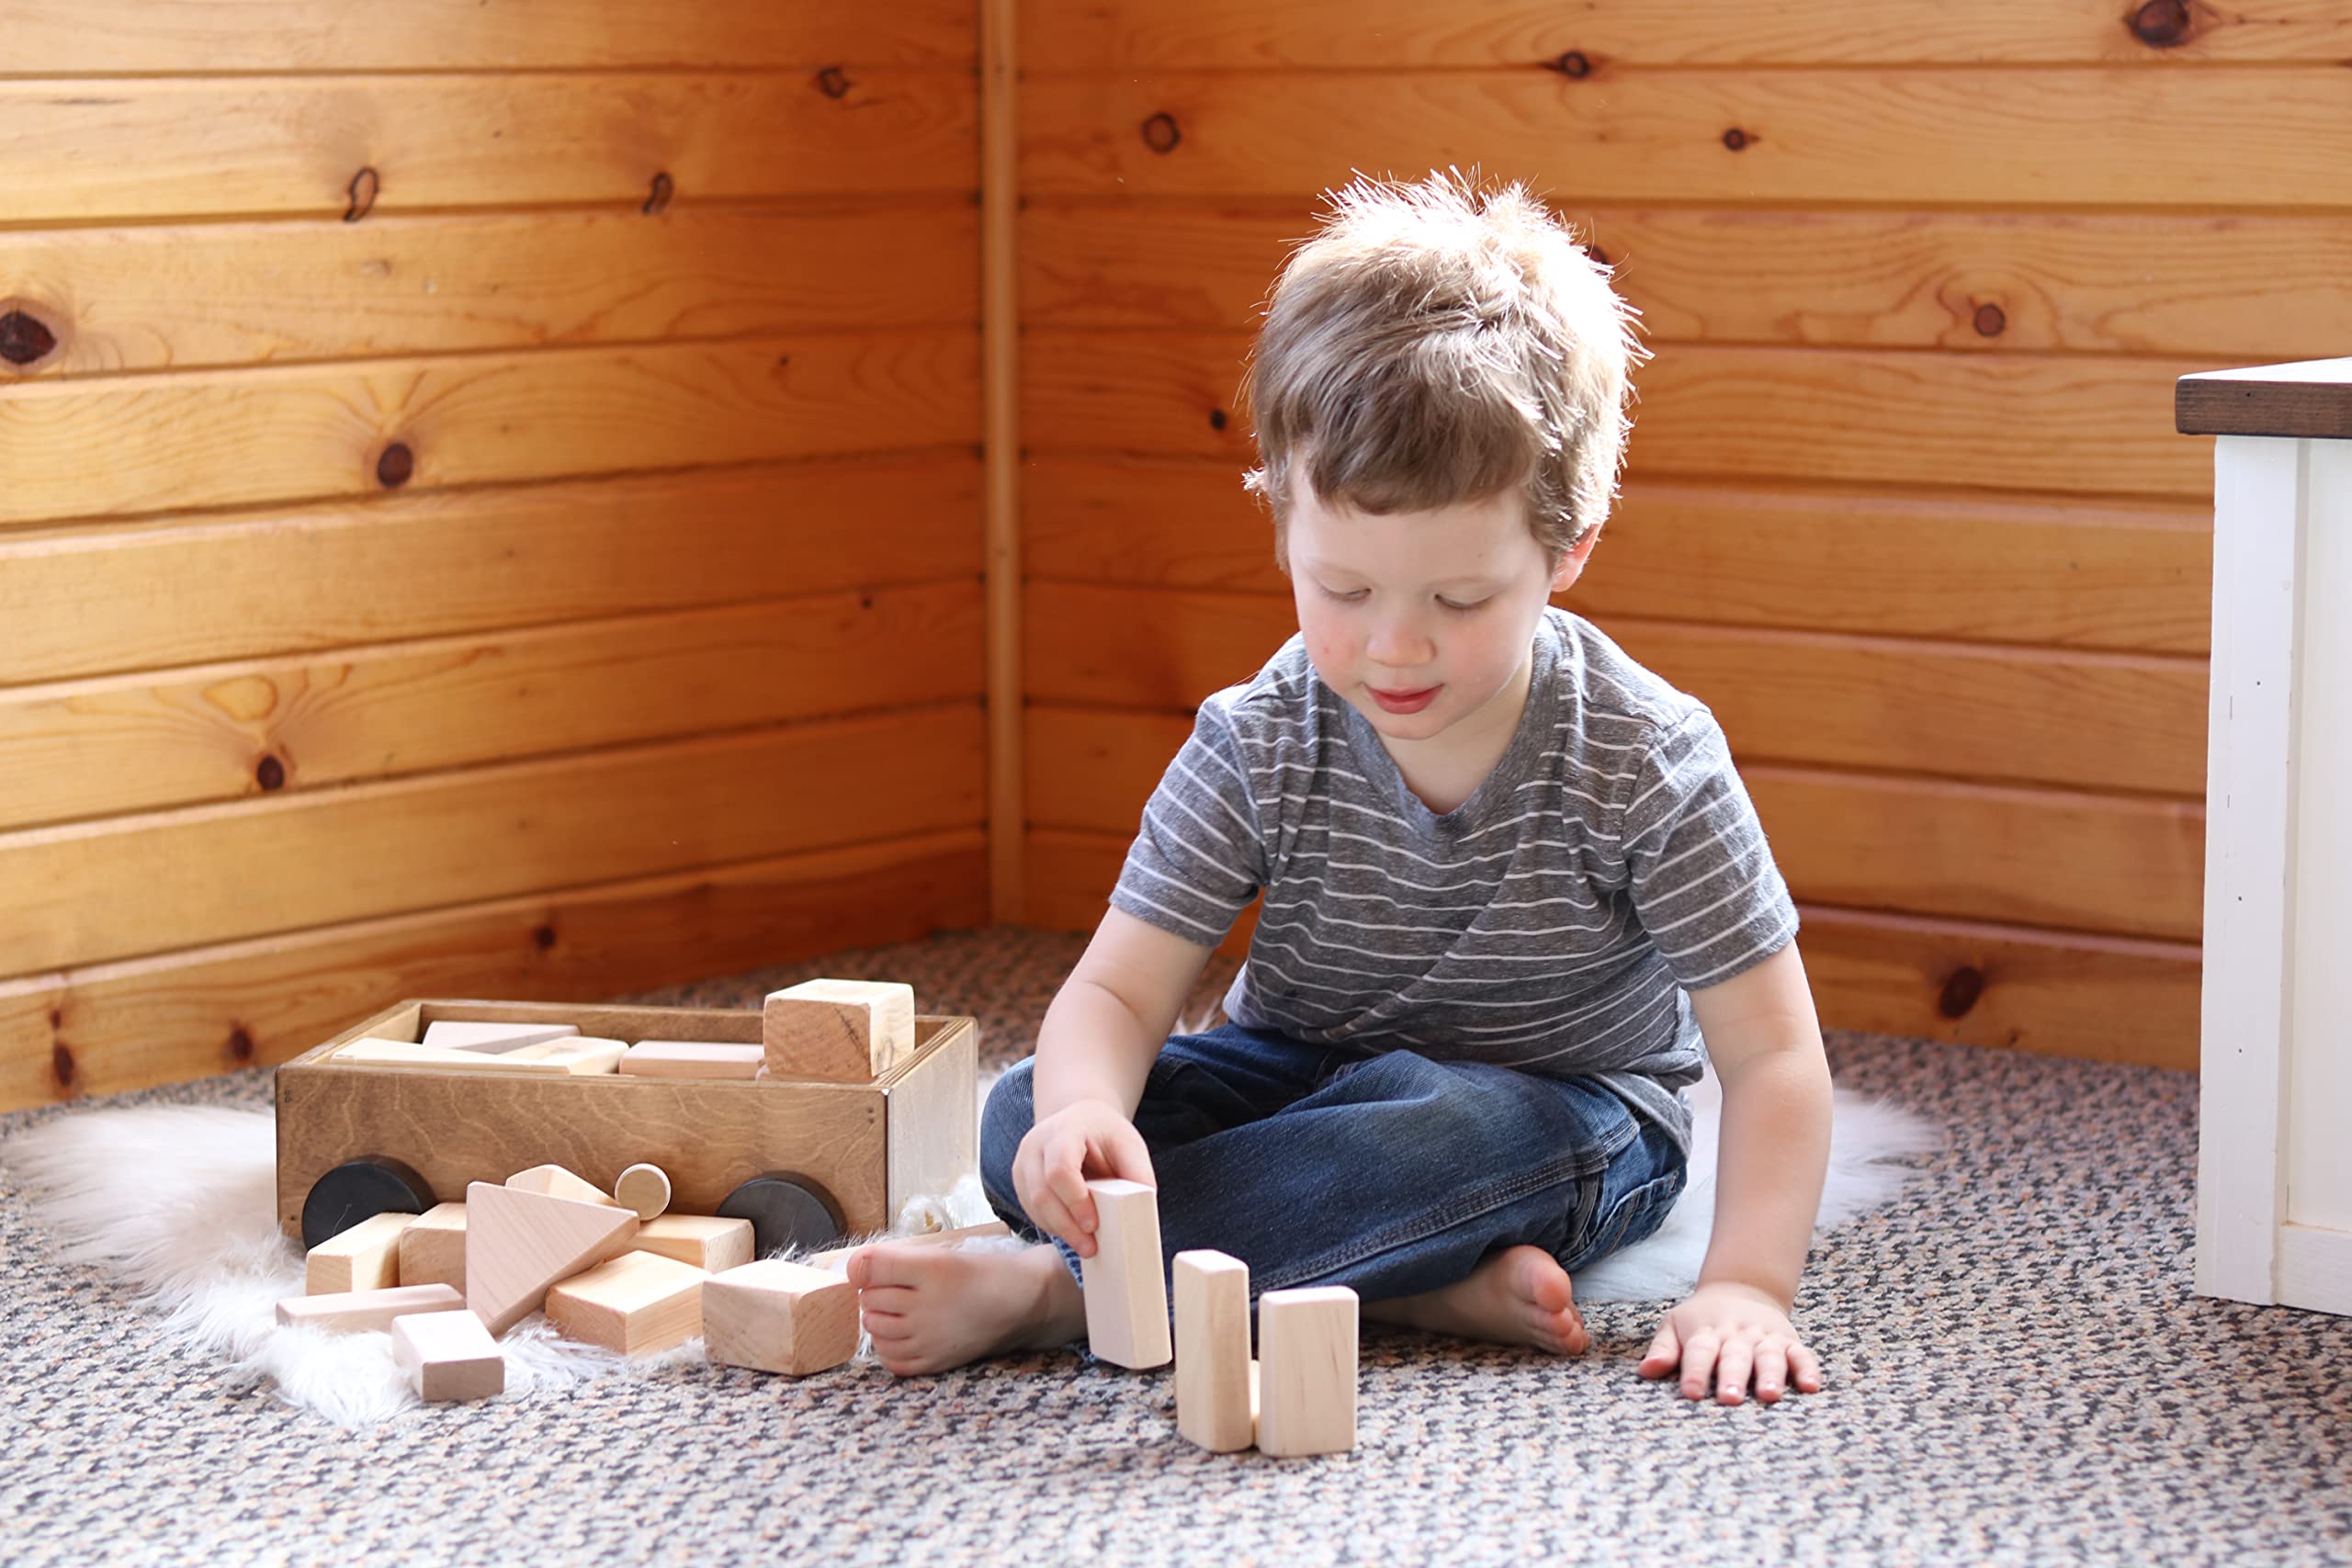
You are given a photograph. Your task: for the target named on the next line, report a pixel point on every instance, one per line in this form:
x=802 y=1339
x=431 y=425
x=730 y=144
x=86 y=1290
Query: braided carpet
x=2018 y=1373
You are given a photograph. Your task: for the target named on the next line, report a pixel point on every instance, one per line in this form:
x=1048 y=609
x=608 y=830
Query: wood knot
x=241 y=1044
x=831 y=83
x=24 y=338
x=1991 y=321
x=364 y=187
x=2162 y=24
x=1961 y=992
x=1737 y=139
x=395 y=466
x=1576 y=65
x=270 y=772
x=61 y=1064
x=544 y=936
x=866 y=601
x=658 y=197
x=1216 y=419
x=1161 y=133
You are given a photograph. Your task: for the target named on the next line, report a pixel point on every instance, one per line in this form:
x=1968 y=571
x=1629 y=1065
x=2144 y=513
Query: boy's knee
x=1005 y=1119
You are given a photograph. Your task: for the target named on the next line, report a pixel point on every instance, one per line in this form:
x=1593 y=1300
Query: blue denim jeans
x=1392 y=1174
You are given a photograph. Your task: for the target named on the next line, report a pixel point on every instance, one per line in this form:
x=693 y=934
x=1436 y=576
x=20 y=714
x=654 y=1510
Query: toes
x=889 y=1298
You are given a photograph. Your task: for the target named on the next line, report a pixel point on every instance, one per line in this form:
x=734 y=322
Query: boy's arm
x=1109 y=1020
x=1765 y=1041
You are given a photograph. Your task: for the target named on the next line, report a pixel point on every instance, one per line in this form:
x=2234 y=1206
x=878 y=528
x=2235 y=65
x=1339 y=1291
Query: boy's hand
x=1090 y=1139
x=1726 y=1331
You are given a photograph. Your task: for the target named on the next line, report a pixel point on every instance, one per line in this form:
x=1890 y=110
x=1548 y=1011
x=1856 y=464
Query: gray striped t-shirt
x=1552 y=922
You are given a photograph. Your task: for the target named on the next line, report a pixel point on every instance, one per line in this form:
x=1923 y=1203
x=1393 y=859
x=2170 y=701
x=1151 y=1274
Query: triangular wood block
x=518 y=1244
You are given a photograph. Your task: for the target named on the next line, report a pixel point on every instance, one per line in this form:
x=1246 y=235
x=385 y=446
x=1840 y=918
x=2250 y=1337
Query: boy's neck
x=1447 y=768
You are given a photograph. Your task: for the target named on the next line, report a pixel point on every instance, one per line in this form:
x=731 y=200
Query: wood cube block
x=839 y=1031
x=557 y=1183
x=710 y=1244
x=1124 y=1282
x=356 y=1312
x=1212 y=1403
x=779 y=1317
x=644 y=1188
x=448 y=1354
x=433 y=1247
x=693 y=1059
x=637 y=1302
x=457 y=1035
x=518 y=1244
x=1307 y=1350
x=365 y=1257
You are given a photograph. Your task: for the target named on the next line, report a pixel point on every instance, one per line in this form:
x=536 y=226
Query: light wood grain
x=932 y=1135
x=2013 y=422
x=2059 y=993
x=644 y=1188
x=108 y=597
x=779 y=1316
x=551 y=1181
x=518 y=1243
x=1125 y=1282
x=270 y=727
x=578 y=1056
x=693 y=1059
x=2007 y=139
x=1082 y=35
x=1212 y=1405
x=636 y=1303
x=843 y=1030
x=142 y=884
x=2231 y=286
x=705 y=1241
x=85 y=36
x=461 y=1034
x=169 y=147
x=361 y=1311
x=247 y=437
x=1306 y=1359
x=189 y=297
x=365 y=1257
x=447 y=1356
x=2125 y=576
x=433 y=1249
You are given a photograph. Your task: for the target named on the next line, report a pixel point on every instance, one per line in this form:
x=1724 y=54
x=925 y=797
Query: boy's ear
x=1571 y=565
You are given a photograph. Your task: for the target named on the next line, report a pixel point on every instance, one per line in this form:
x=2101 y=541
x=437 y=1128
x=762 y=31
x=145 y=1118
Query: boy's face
x=1423 y=621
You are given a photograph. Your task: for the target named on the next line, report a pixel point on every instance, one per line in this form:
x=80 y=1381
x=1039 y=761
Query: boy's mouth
x=1403 y=701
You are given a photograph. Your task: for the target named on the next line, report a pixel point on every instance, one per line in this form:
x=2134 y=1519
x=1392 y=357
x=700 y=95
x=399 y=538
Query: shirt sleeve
x=1199 y=858
x=1703 y=883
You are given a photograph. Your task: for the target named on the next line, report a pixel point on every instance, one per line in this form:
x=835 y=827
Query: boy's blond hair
x=1436 y=344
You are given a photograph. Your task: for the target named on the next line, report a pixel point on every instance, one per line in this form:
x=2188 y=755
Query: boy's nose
x=1399 y=645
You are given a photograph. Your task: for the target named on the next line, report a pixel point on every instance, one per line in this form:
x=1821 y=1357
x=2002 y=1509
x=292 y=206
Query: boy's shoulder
x=1282 y=700
x=1595 y=678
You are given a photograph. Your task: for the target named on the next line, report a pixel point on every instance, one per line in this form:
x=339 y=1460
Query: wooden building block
x=355 y=1312
x=637 y=1302
x=1127 y=1290
x=779 y=1317
x=839 y=1031
x=1307 y=1347
x=1213 y=1403
x=709 y=1244
x=557 y=1183
x=574 y=1056
x=433 y=1247
x=644 y=1188
x=448 y=1354
x=365 y=1257
x=457 y=1035
x=518 y=1244
x=693 y=1059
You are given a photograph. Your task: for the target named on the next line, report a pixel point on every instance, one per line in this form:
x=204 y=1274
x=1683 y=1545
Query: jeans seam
x=1447 y=1218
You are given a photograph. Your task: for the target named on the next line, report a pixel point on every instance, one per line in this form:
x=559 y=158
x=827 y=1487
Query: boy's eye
x=1463 y=609
x=1347 y=598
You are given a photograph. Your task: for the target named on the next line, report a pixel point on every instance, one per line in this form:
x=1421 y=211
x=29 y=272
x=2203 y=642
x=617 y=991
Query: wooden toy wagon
x=806 y=1161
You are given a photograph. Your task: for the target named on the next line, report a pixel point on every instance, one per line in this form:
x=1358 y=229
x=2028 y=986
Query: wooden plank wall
x=489 y=506
x=1905 y=502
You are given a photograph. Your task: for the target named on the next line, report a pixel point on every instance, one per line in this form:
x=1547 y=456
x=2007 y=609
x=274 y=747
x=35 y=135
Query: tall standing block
x=1307 y=1350
x=840 y=1030
x=1126 y=1290
x=1214 y=1407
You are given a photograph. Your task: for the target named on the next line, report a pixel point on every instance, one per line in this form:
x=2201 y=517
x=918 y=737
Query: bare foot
x=929 y=1308
x=1519 y=1296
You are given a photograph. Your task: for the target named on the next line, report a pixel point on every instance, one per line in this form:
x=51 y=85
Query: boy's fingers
x=1698 y=1363
x=1772 y=1370
x=1665 y=1349
x=1131 y=1157
x=1731 y=1369
x=1806 y=1368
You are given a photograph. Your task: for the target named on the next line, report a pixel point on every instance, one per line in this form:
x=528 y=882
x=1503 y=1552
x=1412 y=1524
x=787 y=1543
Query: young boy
x=1511 y=879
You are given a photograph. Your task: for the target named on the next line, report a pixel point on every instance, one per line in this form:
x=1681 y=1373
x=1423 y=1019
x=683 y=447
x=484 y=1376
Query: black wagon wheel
x=784 y=1211
x=360 y=1190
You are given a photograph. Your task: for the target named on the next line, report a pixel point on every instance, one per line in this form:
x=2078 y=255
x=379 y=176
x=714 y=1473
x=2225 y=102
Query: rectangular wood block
x=365 y=1257
x=557 y=1183
x=433 y=1247
x=1124 y=1282
x=1212 y=1383
x=838 y=1031
x=448 y=1354
x=693 y=1059
x=576 y=1055
x=355 y=1312
x=458 y=1034
x=637 y=1302
x=1306 y=1353
x=710 y=1244
x=777 y=1316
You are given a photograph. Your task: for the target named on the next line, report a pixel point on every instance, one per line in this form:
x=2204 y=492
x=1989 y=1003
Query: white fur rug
x=205 y=1252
